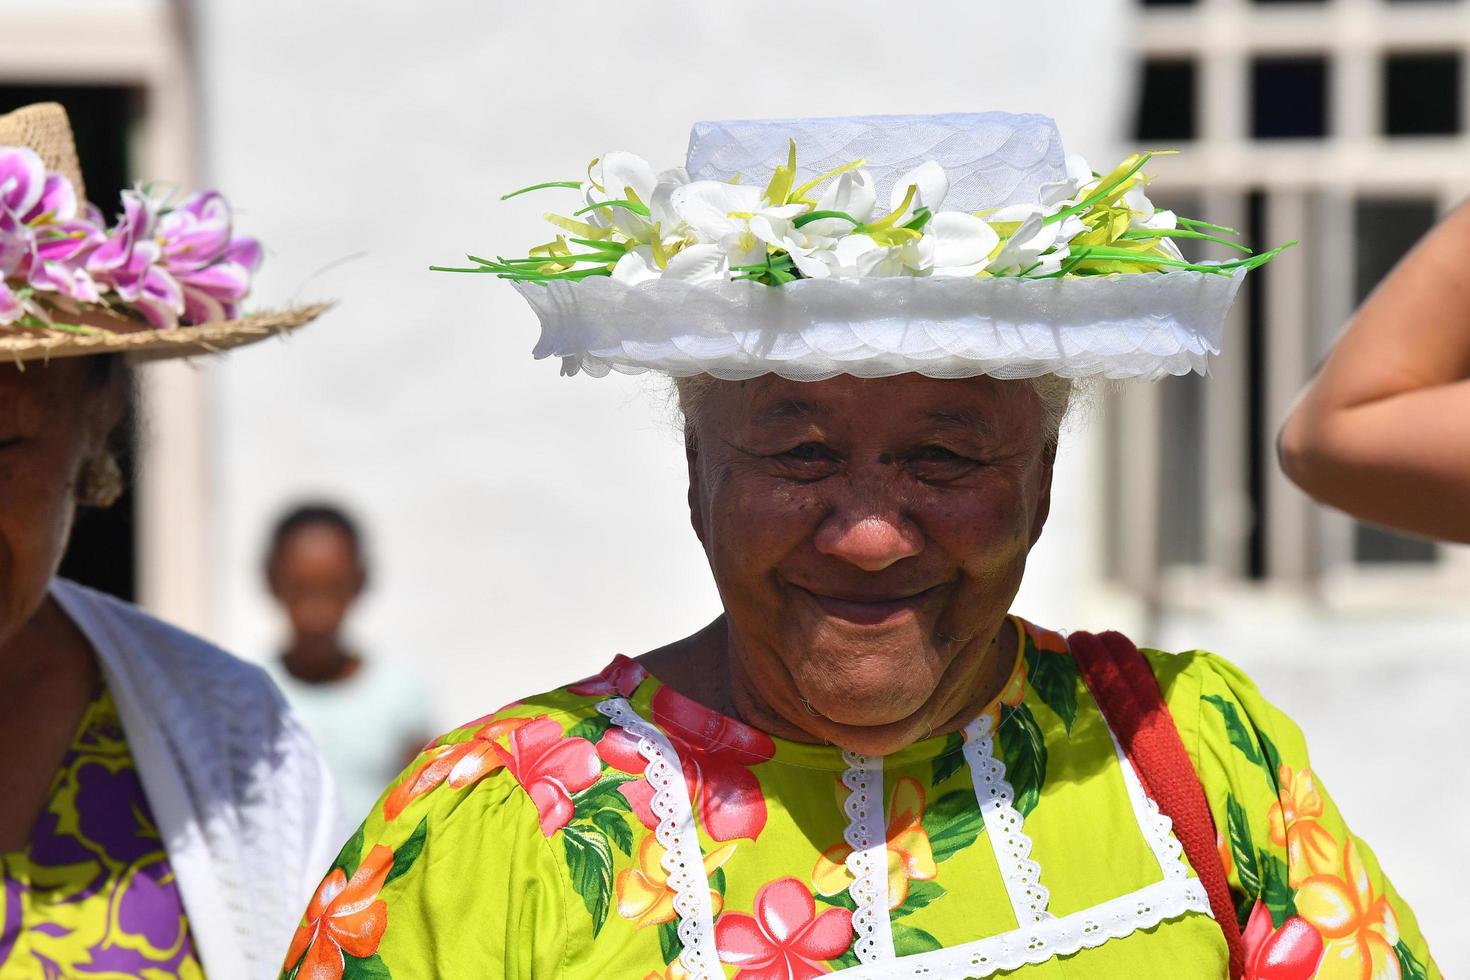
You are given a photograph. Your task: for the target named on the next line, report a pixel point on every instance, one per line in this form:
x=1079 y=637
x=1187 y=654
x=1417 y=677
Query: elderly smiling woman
x=866 y=764
x=153 y=786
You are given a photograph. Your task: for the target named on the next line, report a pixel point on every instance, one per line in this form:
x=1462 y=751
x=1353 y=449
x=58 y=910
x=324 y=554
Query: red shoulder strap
x=1128 y=693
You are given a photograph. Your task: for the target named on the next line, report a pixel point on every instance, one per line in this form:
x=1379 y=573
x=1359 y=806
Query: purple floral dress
x=92 y=894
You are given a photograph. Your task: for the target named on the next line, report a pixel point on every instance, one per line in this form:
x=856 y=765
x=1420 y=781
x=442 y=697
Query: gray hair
x=1055 y=394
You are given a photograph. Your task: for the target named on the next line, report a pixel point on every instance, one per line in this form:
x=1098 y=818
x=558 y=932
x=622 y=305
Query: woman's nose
x=872 y=542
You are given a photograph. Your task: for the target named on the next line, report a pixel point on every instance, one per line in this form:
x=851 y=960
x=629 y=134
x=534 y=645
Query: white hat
x=996 y=254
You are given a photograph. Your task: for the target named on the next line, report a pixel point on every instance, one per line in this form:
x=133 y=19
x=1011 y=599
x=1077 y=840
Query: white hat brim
x=1140 y=326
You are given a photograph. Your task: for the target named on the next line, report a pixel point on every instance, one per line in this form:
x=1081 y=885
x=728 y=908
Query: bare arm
x=1384 y=431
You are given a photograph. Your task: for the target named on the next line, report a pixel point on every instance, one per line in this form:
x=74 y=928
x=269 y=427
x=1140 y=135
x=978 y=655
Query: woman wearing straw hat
x=866 y=764
x=161 y=810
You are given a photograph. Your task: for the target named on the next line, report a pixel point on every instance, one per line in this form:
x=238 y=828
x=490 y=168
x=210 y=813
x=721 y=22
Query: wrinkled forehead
x=44 y=386
x=988 y=406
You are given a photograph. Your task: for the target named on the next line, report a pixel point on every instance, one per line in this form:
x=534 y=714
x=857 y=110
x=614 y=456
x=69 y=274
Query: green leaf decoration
x=717 y=881
x=907 y=940
x=669 y=944
x=1246 y=740
x=589 y=863
x=1054 y=677
x=847 y=960
x=1235 y=729
x=351 y=854
x=615 y=826
x=592 y=729
x=1242 y=848
x=949 y=761
x=1276 y=892
x=953 y=822
x=603 y=795
x=1023 y=750
x=1271 y=759
x=365 y=968
x=292 y=973
x=841 y=900
x=408 y=852
x=1409 y=965
x=921 y=893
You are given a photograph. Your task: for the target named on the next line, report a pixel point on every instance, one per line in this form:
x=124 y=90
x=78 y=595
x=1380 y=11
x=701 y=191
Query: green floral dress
x=614 y=828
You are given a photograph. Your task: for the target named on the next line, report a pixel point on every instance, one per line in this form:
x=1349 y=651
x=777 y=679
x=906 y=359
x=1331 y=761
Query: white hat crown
x=992 y=159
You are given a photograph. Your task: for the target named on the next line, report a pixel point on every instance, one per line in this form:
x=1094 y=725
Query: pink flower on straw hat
x=177 y=265
x=129 y=263
x=212 y=265
x=43 y=237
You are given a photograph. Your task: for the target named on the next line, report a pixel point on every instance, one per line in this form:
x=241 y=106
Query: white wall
x=527 y=526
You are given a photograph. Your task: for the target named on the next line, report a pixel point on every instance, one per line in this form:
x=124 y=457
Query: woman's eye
x=808 y=452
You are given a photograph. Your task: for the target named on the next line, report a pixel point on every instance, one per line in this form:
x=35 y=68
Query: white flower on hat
x=695 y=264
x=1034 y=245
x=624 y=194
x=730 y=216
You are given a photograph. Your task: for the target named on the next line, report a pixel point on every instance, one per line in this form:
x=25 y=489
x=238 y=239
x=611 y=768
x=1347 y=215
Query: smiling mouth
x=869 y=611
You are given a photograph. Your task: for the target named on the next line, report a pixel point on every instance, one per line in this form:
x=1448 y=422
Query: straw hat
x=112 y=326
x=946 y=245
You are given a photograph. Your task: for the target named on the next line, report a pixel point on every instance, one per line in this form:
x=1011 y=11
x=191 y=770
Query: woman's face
x=867 y=537
x=54 y=418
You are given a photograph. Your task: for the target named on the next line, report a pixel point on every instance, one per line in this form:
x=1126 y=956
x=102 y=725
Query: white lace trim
x=683 y=858
x=1003 y=825
x=1157 y=828
x=1113 y=919
x=868 y=862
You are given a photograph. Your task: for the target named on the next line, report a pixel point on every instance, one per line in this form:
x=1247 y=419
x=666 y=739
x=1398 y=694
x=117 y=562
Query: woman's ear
x=1043 y=493
x=691 y=456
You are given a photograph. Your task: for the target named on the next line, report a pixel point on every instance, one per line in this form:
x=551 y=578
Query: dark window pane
x=1421 y=94
x=1376 y=546
x=1260 y=427
x=102 y=552
x=1182 y=470
x=1383 y=230
x=1168 y=3
x=1166 y=108
x=1289 y=97
x=1273 y=2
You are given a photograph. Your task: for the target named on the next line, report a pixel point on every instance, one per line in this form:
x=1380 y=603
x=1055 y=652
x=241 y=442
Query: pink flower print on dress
x=1289 y=953
x=618 y=679
x=785 y=939
x=551 y=768
x=715 y=753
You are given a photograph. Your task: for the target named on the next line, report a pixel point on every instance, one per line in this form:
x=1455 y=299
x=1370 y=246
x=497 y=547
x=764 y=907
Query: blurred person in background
x=1383 y=432
x=152 y=786
x=866 y=763
x=368 y=717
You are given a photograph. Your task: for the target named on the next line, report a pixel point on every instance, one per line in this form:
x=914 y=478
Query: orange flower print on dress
x=459 y=764
x=1310 y=847
x=644 y=893
x=785 y=939
x=910 y=858
x=345 y=916
x=1360 y=928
